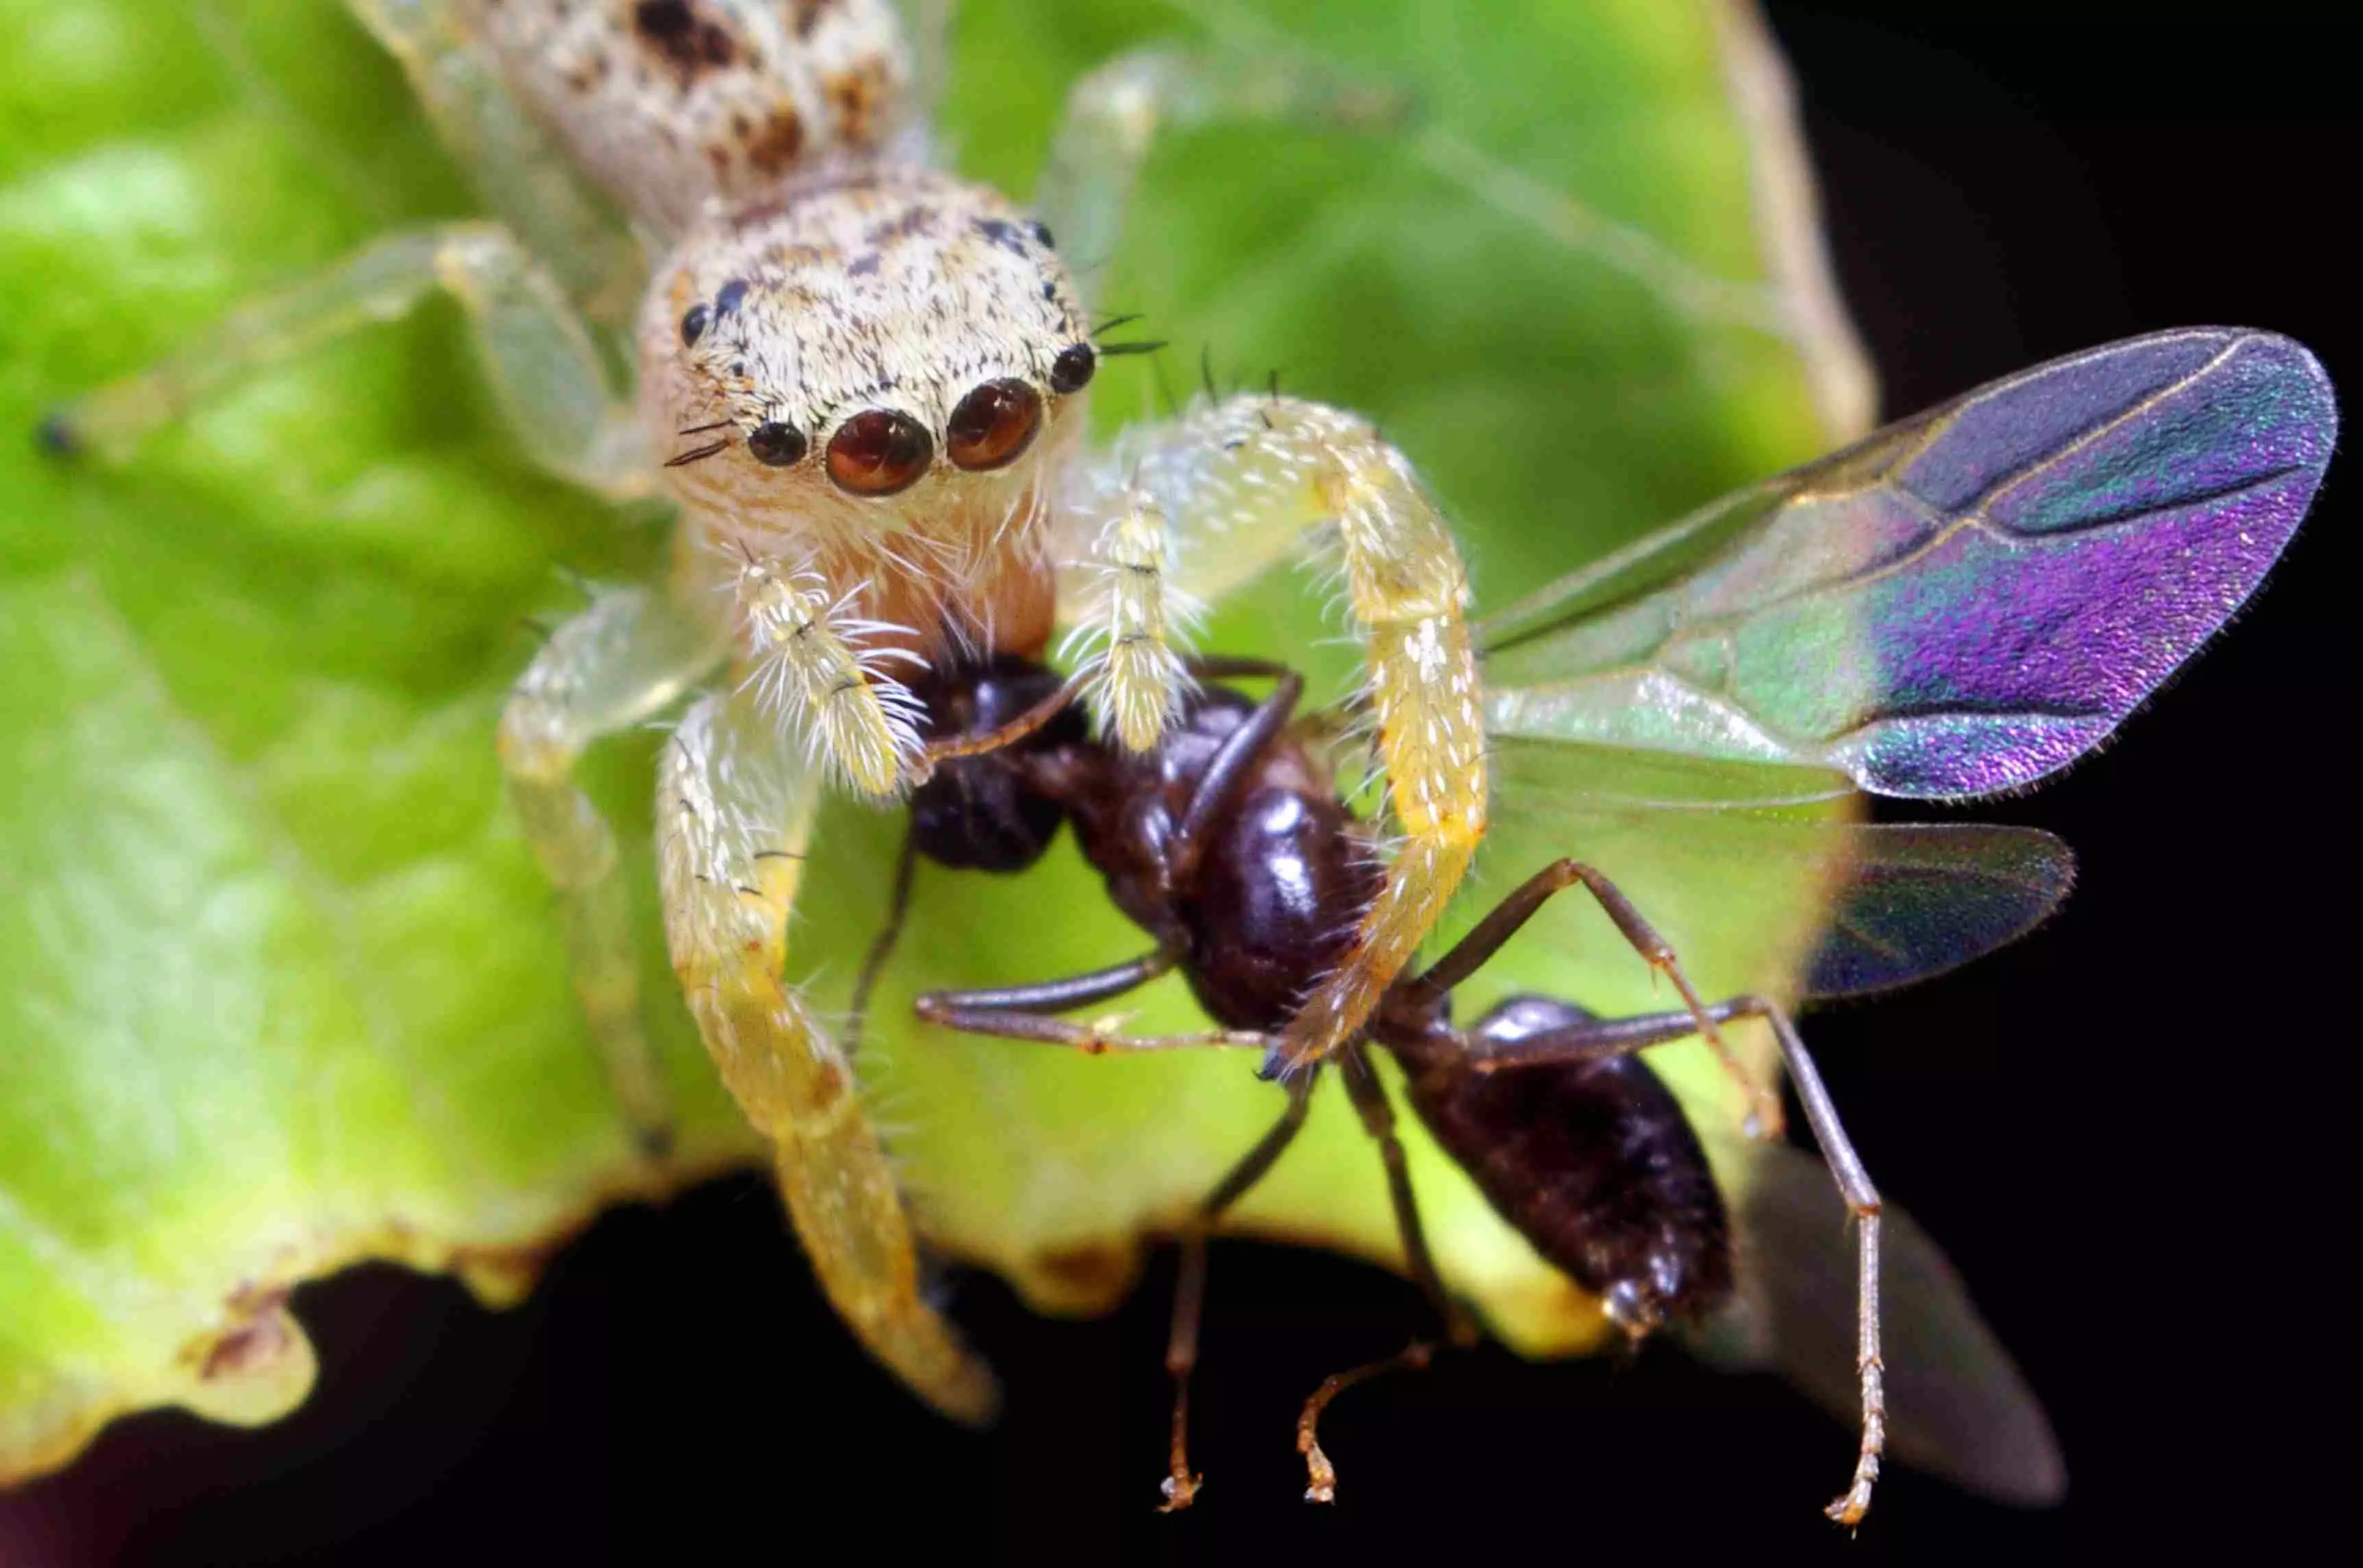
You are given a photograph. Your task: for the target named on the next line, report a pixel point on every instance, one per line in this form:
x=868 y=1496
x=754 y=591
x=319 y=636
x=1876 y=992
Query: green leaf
x=280 y=985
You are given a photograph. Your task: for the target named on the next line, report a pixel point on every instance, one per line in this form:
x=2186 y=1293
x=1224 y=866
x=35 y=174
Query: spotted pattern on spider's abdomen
x=667 y=103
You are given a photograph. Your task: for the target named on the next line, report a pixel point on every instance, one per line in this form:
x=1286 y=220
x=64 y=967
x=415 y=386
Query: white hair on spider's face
x=871 y=373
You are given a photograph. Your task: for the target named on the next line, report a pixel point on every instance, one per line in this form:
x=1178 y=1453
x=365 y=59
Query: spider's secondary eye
x=692 y=326
x=776 y=444
x=1072 y=371
x=993 y=424
x=1041 y=233
x=879 y=451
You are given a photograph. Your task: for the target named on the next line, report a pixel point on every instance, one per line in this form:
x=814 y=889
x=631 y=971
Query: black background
x=2124 y=1130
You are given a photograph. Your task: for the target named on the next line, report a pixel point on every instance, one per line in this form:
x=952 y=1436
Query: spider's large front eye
x=993 y=424
x=879 y=451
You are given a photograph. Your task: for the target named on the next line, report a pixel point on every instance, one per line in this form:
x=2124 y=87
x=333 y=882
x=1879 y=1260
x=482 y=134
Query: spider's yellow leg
x=1241 y=482
x=735 y=808
x=539 y=353
x=627 y=656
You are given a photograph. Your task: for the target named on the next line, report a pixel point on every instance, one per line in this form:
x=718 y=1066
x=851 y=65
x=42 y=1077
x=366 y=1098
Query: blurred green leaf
x=279 y=985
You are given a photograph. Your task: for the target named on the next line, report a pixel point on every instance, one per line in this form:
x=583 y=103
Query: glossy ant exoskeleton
x=1231 y=846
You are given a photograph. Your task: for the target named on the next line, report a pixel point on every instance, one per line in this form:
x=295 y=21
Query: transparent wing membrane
x=1958 y=1406
x=1917 y=899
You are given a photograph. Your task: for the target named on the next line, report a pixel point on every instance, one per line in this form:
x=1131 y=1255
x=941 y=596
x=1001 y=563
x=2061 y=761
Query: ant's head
x=891 y=353
x=983 y=813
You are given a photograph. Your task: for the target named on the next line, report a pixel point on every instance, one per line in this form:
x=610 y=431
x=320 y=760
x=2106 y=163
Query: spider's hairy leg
x=624 y=658
x=1114 y=113
x=1116 y=538
x=813 y=673
x=544 y=363
x=1241 y=482
x=735 y=809
x=519 y=170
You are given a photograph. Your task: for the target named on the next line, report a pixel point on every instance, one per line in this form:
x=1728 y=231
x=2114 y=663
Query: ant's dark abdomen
x=1594 y=1161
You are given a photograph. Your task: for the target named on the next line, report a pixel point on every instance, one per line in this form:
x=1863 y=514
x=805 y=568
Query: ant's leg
x=539 y=352
x=1486 y=938
x=1116 y=112
x=1320 y=1474
x=734 y=816
x=522 y=173
x=882 y=946
x=1594 y=1038
x=1231 y=768
x=627 y=657
x=1181 y=1487
x=1370 y=1097
x=1007 y=735
x=1241 y=483
x=1024 y=1012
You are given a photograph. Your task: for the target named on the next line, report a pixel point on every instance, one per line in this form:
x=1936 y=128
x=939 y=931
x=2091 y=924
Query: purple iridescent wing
x=1959 y=603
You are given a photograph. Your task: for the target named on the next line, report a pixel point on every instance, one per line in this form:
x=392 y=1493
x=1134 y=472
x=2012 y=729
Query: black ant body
x=1232 y=848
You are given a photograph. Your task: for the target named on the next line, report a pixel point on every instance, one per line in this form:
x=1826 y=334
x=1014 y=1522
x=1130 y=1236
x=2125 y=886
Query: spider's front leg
x=627 y=657
x=735 y=809
x=1206 y=502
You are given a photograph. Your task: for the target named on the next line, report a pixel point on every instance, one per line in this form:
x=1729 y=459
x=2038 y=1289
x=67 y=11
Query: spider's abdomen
x=1594 y=1162
x=666 y=103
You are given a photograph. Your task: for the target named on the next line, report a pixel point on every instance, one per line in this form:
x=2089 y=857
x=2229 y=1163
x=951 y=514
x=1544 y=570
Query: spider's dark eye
x=1041 y=233
x=693 y=325
x=776 y=444
x=879 y=451
x=1072 y=371
x=993 y=424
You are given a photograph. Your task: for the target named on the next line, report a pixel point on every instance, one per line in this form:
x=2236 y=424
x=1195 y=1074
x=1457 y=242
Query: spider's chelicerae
x=863 y=382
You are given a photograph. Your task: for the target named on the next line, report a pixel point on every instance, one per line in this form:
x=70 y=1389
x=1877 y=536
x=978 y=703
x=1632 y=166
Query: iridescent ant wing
x=1958 y=605
x=1916 y=900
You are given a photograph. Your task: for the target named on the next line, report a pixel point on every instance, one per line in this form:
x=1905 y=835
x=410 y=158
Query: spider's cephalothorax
x=862 y=380
x=838 y=425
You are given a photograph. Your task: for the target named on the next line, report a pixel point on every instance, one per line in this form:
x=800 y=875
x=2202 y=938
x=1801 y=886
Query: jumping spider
x=862 y=380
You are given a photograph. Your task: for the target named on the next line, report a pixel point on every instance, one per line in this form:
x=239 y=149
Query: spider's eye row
x=1072 y=371
x=776 y=444
x=992 y=425
x=878 y=453
x=693 y=325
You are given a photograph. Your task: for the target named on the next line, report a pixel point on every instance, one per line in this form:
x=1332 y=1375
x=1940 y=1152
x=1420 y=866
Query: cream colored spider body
x=863 y=382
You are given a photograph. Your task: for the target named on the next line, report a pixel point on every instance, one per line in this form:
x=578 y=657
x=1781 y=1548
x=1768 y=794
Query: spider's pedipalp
x=1127 y=635
x=735 y=812
x=820 y=671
